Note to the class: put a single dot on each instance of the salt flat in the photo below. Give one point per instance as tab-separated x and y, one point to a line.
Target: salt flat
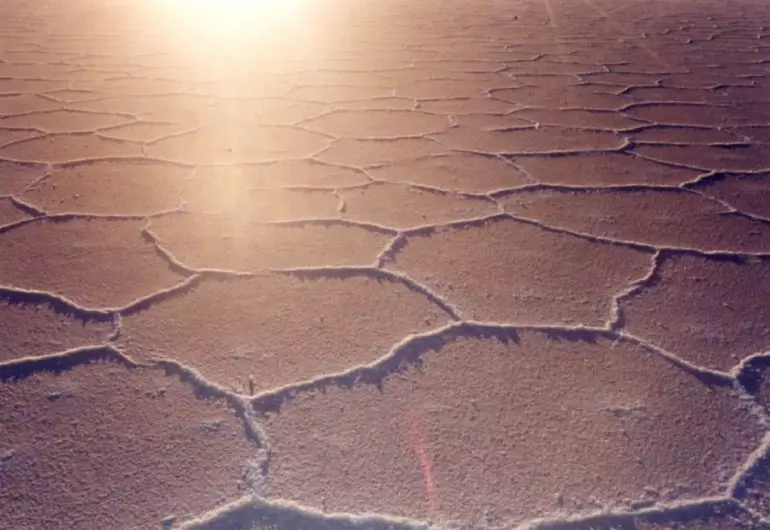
338	264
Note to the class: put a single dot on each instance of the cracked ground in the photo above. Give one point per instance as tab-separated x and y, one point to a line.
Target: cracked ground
385	264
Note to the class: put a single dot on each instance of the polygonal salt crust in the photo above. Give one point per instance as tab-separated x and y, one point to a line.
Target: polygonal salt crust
683	135
755	492
377	124
602	169
15	177
447	49
491	122
64	121
480	421
450	88
231	243
257	513
568	96
578	118
746	193
31	330
246	113
111	188
183	108
41	56
102	446
220	86
683	95
334	94
12	86
652	64
238	199
662	218
698	81
63	148
515	272
238	145
668	94
109	61
9	212
609	90
25	103
171	68
759	134
703	115
475	59
466	106
551	67
529	141
739	94
404	207
362	153
95	263
621	79
470	61
276	329
134	86
719	319
144	131
71	96
12	136
468	172
709	158
432	78
554	82
717	515
386	103
328	78
94	75
291	173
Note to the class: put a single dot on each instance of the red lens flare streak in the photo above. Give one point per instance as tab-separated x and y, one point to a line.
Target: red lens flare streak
416	432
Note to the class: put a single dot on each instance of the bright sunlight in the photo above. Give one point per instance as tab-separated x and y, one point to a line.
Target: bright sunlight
225	19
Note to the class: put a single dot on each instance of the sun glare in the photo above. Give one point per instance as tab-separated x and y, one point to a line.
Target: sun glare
233	11
224	18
